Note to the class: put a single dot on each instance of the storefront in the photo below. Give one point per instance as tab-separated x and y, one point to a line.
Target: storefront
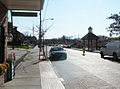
5	5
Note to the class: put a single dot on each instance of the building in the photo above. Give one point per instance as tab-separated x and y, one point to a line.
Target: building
5	5
90	40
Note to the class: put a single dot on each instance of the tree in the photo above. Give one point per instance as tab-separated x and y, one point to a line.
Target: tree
18	38
30	40
114	27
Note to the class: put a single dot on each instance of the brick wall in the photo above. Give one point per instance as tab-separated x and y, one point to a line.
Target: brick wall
3	11
2	79
4	22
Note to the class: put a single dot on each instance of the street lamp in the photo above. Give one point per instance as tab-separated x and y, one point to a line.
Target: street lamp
48	19
41	34
9	37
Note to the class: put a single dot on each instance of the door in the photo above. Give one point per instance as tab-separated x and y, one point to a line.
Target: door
2	44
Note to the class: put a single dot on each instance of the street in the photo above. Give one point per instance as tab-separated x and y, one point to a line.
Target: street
87	72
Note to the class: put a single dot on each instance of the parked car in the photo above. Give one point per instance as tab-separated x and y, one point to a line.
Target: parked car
66	46
57	53
111	49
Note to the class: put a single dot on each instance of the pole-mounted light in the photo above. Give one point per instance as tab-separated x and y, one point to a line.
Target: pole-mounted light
9	37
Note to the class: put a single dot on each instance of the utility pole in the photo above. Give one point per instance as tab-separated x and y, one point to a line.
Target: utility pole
40	40
46	50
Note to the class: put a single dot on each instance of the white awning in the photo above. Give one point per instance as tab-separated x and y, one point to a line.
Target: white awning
23	4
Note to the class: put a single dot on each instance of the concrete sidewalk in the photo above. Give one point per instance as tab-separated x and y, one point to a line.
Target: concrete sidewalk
19	54
34	74
27	75
49	79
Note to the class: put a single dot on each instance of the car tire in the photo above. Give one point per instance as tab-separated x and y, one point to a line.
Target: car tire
50	58
115	56
102	55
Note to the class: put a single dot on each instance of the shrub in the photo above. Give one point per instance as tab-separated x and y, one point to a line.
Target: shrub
6	64
4	68
1	70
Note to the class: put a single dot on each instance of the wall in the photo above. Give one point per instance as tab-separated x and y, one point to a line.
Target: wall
4	22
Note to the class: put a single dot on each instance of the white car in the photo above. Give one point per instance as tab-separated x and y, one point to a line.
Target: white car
111	49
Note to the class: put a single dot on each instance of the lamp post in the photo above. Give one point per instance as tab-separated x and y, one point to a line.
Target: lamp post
42	34
44	31
9	37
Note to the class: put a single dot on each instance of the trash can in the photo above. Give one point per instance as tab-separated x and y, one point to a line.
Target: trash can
11	69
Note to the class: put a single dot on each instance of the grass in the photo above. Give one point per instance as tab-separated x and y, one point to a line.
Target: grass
22	46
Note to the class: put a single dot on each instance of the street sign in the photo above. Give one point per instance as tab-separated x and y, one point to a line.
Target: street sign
24	14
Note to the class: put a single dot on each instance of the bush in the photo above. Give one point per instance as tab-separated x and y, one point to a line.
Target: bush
1	70
22	46
4	67
7	65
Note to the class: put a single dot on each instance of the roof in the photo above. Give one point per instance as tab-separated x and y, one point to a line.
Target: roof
34	5
90	36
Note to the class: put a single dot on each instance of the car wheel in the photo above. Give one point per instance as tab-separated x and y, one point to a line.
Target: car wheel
49	57
102	55
115	56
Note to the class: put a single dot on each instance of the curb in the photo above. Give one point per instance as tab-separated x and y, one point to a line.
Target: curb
49	77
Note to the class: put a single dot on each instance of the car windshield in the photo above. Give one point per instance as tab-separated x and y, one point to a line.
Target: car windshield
57	49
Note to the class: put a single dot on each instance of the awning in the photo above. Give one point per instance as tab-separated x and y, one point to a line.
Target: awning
23	4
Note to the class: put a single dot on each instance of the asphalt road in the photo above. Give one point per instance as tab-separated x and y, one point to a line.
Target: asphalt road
87	72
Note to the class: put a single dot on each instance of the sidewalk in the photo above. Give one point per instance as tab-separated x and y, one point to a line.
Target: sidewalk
27	75
49	79
34	74
19	54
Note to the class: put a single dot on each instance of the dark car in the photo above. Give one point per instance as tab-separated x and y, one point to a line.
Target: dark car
57	53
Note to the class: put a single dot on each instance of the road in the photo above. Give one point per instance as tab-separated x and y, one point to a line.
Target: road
87	72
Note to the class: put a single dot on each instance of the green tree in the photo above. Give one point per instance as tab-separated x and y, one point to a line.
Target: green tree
18	38
114	27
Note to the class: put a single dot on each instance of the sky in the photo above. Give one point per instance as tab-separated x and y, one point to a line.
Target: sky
71	18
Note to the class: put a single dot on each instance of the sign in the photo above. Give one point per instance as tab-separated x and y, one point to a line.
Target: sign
24	14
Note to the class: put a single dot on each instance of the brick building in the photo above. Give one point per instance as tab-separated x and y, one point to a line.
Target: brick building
5	5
